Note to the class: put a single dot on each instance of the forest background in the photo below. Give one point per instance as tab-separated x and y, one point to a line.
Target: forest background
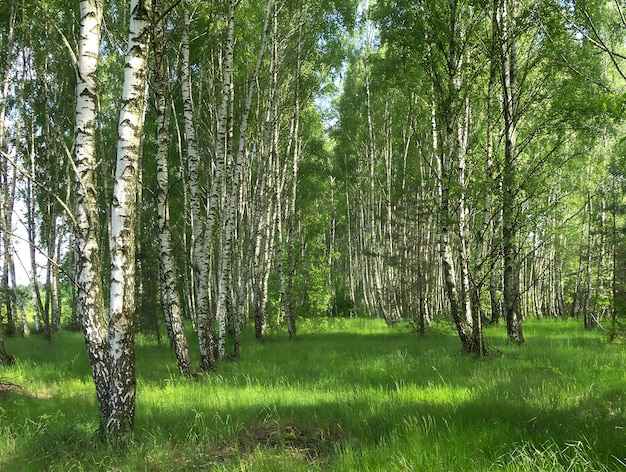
231	164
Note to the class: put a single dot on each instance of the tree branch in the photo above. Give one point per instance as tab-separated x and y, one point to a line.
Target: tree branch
66	43
34	180
600	44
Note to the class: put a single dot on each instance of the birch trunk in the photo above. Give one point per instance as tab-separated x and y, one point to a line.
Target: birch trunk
577	296
90	302
266	216
5	215
200	230
4	247
221	152
447	258
52	293
170	297
588	316
601	269
123	212
198	255
268	182
40	310
458	308
450	133
287	213
509	178
10	182
266	212
5	358
484	266
6	71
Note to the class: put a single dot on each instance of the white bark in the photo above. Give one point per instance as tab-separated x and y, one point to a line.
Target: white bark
8	198
170	297
38	307
199	248
17	297
197	256
221	152
265	215
290	314
4	91
6	183
267	195
123	210
90	303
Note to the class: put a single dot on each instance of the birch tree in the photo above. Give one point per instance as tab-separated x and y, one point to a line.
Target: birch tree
232	196
201	225
90	299
445	36
170	296
510	238
5	358
123	213
109	338
7	181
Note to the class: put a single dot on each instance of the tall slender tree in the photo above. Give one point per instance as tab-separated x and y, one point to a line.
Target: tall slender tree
506	18
170	296
90	299
7	181
123	213
201	226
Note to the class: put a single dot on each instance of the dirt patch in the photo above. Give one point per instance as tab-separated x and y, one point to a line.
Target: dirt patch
8	389
314	445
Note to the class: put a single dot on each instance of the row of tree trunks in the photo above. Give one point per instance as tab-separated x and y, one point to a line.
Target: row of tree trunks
480	244
287	191
201	227
35	180
411	181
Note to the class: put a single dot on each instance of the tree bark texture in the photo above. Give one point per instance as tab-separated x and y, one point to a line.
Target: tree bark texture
90	302
123	212
170	296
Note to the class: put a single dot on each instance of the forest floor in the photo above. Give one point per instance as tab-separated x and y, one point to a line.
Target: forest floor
346	395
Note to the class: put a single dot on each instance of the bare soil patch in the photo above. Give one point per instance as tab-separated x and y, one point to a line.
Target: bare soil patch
8	389
314	445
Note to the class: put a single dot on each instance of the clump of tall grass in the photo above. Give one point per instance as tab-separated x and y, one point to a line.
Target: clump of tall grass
573	456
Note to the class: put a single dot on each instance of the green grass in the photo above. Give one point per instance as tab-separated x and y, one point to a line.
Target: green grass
348	394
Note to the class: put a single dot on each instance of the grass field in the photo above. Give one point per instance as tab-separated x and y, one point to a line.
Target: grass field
347	395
